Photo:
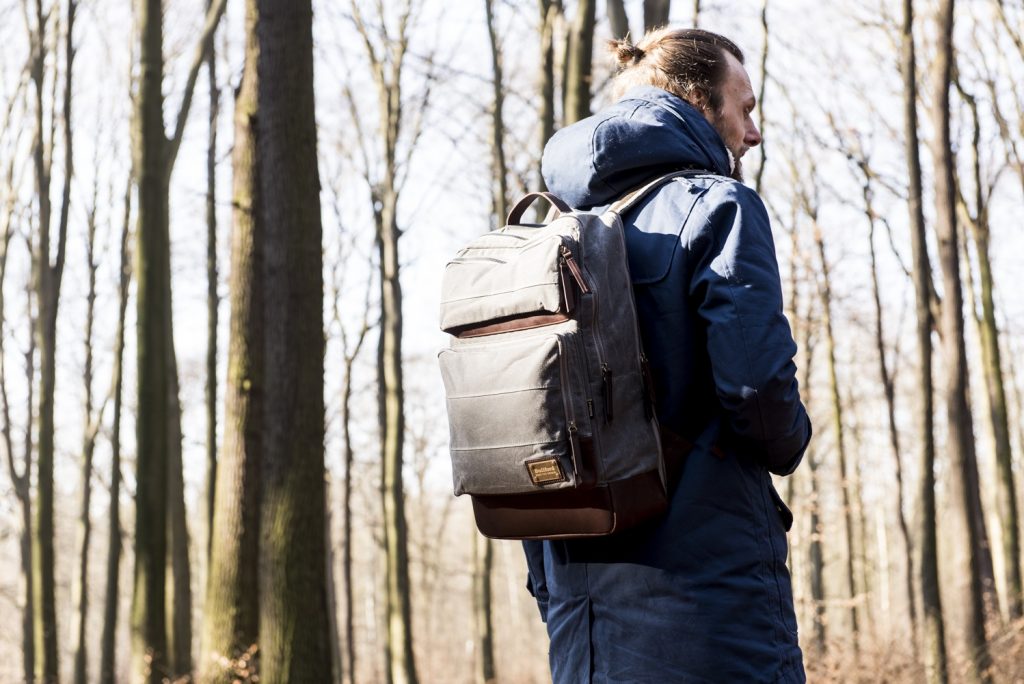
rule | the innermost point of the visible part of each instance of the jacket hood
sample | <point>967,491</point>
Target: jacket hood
<point>647,133</point>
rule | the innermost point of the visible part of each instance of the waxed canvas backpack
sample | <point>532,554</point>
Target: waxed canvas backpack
<point>549,402</point>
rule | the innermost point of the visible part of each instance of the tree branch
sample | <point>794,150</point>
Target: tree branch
<point>213,16</point>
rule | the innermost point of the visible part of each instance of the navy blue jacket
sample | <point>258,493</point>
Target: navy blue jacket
<point>703,594</point>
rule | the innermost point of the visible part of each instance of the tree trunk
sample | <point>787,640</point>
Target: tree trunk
<point>816,558</point>
<point>334,636</point>
<point>88,447</point>
<point>108,659</point>
<point>761,90</point>
<point>48,281</point>
<point>212,298</point>
<point>402,669</point>
<point>149,630</point>
<point>934,626</point>
<point>889,388</point>
<point>157,406</point>
<point>350,640</point>
<point>696,13</point>
<point>348,457</point>
<point>580,63</point>
<point>656,13</point>
<point>961,430</point>
<point>499,167</point>
<point>618,22</point>
<point>179,599</point>
<point>231,625</point>
<point>400,662</point>
<point>992,366</point>
<point>483,560</point>
<point>550,11</point>
<point>293,624</point>
<point>848,482</point>
<point>19,480</point>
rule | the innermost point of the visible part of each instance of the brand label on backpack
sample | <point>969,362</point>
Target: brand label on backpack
<point>545,471</point>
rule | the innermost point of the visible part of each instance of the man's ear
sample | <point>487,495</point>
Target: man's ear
<point>700,99</point>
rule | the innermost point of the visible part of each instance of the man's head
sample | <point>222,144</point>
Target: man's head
<point>701,67</point>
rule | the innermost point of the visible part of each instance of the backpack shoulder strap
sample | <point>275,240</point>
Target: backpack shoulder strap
<point>633,197</point>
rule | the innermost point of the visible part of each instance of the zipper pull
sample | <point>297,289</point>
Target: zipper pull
<point>648,386</point>
<point>606,386</point>
<point>574,449</point>
<point>569,260</point>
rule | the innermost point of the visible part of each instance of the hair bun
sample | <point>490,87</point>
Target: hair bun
<point>625,52</point>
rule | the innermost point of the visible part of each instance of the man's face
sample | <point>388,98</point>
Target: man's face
<point>732,120</point>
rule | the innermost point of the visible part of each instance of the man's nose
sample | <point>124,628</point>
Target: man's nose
<point>752,136</point>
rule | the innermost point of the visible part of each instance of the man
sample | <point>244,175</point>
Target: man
<point>702,594</point>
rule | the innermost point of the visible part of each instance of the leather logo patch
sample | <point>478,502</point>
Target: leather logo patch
<point>545,471</point>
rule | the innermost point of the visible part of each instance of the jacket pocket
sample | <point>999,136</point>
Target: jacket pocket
<point>785,514</point>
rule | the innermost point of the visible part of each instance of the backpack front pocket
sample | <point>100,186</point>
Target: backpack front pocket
<point>512,412</point>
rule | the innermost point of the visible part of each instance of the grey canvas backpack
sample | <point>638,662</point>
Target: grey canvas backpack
<point>550,406</point>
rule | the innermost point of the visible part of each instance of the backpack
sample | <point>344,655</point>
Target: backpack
<point>549,400</point>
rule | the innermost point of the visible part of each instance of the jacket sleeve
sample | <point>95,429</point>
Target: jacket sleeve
<point>739,296</point>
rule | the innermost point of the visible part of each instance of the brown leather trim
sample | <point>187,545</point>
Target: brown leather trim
<point>516,215</point>
<point>571,513</point>
<point>511,324</point>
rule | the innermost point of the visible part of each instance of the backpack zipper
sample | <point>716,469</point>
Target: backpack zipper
<point>570,415</point>
<point>607,395</point>
<point>574,268</point>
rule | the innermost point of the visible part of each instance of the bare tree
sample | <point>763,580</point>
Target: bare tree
<point>272,580</point>
<point>387,59</point>
<point>550,17</point>
<point>92,426</point>
<point>47,277</point>
<point>108,658</point>
<point>992,365</point>
<point>231,626</point>
<point>934,627</point>
<point>618,21</point>
<point>21,480</point>
<point>350,353</point>
<point>761,90</point>
<point>212,298</point>
<point>579,66</point>
<point>293,626</point>
<point>158,424</point>
<point>849,487</point>
<point>958,413</point>
<point>656,13</point>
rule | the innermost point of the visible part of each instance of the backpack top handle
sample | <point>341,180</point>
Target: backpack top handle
<point>516,215</point>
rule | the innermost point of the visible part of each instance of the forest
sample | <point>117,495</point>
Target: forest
<point>222,232</point>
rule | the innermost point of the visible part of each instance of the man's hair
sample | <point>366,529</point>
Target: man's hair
<point>689,63</point>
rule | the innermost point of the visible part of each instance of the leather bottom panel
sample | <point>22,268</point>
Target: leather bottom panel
<point>567,514</point>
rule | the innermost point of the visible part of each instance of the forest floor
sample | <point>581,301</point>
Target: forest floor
<point>894,663</point>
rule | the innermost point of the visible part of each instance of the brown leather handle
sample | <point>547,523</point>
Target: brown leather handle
<point>516,215</point>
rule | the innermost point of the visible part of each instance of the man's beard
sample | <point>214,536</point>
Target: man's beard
<point>735,166</point>
<point>737,171</point>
